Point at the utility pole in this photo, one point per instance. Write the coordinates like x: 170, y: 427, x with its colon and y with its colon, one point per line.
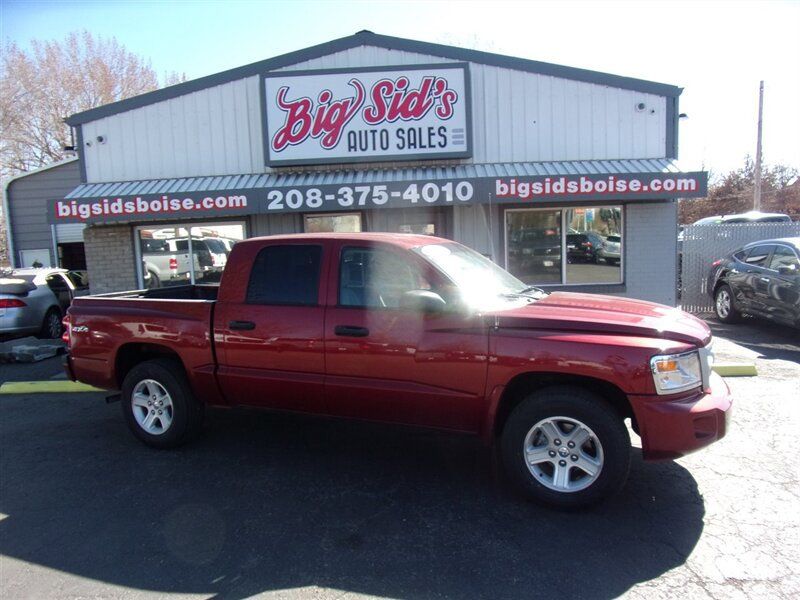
x: 757, y: 189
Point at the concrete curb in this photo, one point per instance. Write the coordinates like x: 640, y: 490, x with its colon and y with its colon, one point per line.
x: 735, y: 369
x: 45, y: 387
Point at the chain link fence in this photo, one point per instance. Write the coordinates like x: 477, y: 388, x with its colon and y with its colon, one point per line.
x: 703, y: 244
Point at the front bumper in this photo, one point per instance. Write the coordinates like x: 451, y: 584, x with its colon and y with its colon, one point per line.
x: 671, y: 428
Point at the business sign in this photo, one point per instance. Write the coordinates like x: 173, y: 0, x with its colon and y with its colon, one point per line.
x: 414, y: 112
x: 370, y: 195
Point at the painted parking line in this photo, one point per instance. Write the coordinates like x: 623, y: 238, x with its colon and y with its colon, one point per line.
x: 45, y: 387
x: 735, y: 369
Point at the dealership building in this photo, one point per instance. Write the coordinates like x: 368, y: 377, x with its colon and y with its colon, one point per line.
x: 566, y: 177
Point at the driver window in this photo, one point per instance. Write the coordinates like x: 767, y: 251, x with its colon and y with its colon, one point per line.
x: 376, y: 278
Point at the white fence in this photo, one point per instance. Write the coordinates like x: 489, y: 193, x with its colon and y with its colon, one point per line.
x: 703, y: 244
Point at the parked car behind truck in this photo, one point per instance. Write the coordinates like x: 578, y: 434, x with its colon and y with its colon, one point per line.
x: 32, y: 301
x: 761, y: 279
x: 415, y: 330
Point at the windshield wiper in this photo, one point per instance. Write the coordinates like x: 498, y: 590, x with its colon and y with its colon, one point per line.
x: 526, y: 293
x: 532, y: 288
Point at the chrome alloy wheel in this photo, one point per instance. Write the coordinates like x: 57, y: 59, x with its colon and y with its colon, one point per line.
x: 563, y: 454
x: 152, y: 406
x: 723, y: 304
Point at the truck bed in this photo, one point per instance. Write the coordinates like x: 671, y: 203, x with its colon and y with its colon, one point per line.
x: 177, y: 319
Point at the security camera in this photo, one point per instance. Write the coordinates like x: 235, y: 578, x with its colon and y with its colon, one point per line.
x: 641, y: 106
x: 101, y: 139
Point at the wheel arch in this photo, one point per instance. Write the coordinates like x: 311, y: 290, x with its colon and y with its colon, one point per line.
x: 131, y: 354
x: 518, y: 388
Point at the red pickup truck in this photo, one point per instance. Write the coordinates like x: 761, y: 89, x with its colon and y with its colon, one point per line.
x: 414, y: 330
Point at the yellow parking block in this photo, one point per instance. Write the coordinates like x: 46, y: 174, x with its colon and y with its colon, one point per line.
x: 45, y: 387
x: 735, y: 369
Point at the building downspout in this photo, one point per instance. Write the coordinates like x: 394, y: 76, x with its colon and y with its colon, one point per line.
x: 54, y: 240
x: 12, y: 257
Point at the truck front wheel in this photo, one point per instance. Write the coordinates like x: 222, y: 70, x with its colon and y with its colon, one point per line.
x: 158, y: 404
x: 566, y: 447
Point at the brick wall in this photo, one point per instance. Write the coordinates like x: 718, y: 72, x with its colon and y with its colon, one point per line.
x: 651, y: 251
x: 109, y: 258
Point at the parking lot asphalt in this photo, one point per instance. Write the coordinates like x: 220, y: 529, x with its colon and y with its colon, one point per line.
x: 294, y: 507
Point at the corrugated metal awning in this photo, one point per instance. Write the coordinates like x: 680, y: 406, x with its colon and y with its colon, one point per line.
x: 357, y: 177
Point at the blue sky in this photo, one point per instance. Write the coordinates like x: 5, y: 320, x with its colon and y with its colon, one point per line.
x: 717, y: 51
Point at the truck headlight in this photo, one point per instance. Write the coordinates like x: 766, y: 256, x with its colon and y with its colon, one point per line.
x: 674, y: 373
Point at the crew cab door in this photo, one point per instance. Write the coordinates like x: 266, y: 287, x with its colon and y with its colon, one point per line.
x: 268, y: 326
x: 753, y: 280
x: 388, y: 362
x: 783, y: 297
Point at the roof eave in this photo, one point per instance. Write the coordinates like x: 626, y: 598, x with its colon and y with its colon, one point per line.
x: 367, y: 38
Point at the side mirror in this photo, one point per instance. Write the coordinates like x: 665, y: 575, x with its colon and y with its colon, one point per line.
x: 788, y: 270
x: 423, y: 300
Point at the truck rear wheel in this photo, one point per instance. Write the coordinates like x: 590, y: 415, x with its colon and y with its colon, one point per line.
x: 566, y: 447
x: 158, y: 404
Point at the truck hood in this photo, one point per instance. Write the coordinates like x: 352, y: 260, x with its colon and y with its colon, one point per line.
x: 590, y: 313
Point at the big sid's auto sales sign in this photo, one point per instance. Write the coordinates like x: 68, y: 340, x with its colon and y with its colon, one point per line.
x: 355, y: 115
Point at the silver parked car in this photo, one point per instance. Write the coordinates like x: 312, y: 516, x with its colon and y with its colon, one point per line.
x: 610, y: 249
x: 32, y: 301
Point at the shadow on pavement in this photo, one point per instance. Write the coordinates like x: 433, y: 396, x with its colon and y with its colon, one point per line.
x: 273, y: 502
x: 770, y: 340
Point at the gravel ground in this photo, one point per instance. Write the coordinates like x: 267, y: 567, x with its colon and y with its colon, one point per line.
x: 292, y: 507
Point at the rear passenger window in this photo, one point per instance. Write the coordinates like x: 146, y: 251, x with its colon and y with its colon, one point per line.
x: 285, y: 275
x: 758, y: 256
x: 784, y: 257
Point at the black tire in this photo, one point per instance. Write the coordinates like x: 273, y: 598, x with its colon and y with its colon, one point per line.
x: 186, y: 411
x: 576, y: 404
x: 52, y: 328
x: 733, y: 315
x: 155, y: 282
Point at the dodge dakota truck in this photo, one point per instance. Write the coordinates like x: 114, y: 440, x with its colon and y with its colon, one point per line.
x: 414, y: 330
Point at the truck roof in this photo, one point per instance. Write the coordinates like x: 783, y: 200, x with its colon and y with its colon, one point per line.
x: 404, y: 240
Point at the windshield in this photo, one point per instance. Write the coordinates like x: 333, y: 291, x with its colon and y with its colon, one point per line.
x: 480, y: 282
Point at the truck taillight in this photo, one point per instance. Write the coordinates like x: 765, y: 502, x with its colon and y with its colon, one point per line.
x: 12, y: 303
x: 67, y: 335
x: 716, y: 263
x: 173, y: 264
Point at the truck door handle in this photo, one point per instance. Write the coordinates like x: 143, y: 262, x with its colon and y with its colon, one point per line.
x: 243, y: 325
x: 351, y: 331
x: 765, y: 279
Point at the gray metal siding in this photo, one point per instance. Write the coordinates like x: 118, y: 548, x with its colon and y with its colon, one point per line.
x: 69, y: 232
x: 276, y: 224
x: 651, y: 252
x: 517, y: 117
x: 28, y: 201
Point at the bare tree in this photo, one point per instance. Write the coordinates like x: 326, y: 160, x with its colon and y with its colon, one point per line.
x: 732, y: 193
x: 54, y: 79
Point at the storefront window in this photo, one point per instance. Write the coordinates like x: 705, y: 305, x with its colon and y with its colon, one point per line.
x: 344, y: 223
x: 170, y: 257
x: 418, y: 228
x: 211, y: 245
x: 594, y: 245
x: 592, y: 238
x: 534, y: 245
